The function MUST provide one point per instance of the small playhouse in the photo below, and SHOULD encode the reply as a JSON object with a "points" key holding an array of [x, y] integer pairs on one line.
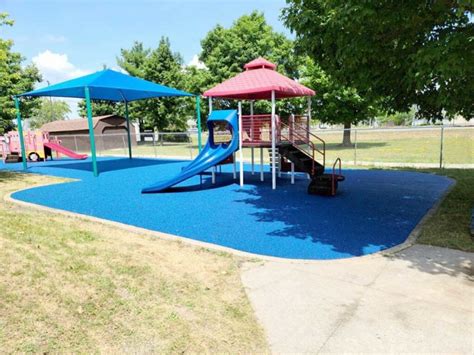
{"points": [[292, 146], [38, 145]]}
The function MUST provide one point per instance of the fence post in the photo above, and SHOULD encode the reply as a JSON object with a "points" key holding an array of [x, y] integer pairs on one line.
{"points": [[124, 146], [441, 148], [355, 146], [154, 144]]}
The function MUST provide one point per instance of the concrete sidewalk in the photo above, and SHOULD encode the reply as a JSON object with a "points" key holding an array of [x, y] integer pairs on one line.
{"points": [[419, 300]]}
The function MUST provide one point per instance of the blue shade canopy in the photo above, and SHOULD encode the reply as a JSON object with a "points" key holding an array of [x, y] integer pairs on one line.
{"points": [[108, 85]]}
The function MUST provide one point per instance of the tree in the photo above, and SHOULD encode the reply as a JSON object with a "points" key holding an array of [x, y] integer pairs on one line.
{"points": [[165, 67], [162, 66], [133, 60], [395, 53], [225, 51], [334, 102], [101, 108], [14, 80], [48, 111]]}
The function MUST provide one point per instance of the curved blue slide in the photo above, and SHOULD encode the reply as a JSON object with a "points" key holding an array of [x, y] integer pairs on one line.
{"points": [[212, 153]]}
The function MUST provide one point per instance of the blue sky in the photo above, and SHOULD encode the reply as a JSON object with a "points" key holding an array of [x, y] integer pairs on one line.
{"points": [[71, 37]]}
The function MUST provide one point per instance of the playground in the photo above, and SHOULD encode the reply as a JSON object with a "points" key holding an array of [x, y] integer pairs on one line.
{"points": [[254, 219], [300, 206]]}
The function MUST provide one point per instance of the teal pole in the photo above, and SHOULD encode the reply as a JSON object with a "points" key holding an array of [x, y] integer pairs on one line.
{"points": [[198, 116], [91, 131], [128, 130], [20, 132]]}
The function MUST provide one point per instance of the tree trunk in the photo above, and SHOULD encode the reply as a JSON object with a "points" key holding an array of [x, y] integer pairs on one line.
{"points": [[346, 140]]}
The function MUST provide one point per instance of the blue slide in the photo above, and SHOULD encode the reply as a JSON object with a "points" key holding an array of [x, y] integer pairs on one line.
{"points": [[212, 154]]}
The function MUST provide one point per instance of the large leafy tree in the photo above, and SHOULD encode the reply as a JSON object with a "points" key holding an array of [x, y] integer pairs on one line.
{"points": [[101, 108], [396, 53], [226, 50], [335, 103], [160, 65], [14, 79], [165, 67], [47, 111]]}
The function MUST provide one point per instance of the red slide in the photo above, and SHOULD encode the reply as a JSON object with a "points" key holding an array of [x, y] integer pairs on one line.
{"points": [[65, 151]]}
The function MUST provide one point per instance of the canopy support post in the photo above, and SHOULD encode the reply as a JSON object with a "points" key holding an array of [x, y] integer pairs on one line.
{"points": [[252, 136], [20, 133], [128, 131], [198, 119], [241, 157], [273, 142], [210, 104], [91, 131]]}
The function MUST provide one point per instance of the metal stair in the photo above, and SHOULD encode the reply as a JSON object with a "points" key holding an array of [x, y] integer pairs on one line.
{"points": [[297, 145]]}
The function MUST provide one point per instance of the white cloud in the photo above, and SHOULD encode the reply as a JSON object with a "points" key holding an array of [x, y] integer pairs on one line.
{"points": [[195, 62], [49, 38], [56, 67]]}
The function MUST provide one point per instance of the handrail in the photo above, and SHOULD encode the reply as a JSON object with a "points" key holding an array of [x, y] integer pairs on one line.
{"points": [[311, 144], [333, 178], [323, 153]]}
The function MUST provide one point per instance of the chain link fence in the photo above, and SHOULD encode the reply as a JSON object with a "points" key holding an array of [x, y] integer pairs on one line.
{"points": [[438, 146]]}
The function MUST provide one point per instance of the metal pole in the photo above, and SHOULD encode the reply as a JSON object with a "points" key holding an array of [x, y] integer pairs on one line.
{"points": [[273, 142], [198, 118], [20, 133], [252, 136], [210, 105], [241, 158], [261, 164], [234, 166], [128, 131], [441, 148], [309, 116], [292, 173], [292, 129], [91, 131]]}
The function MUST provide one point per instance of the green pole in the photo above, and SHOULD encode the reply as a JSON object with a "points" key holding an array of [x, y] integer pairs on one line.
{"points": [[198, 116], [20, 132], [128, 130], [91, 130]]}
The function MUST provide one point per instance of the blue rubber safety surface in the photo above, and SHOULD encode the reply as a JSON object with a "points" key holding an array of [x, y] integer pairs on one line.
{"points": [[372, 211]]}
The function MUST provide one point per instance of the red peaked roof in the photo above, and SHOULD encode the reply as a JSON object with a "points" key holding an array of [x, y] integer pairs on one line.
{"points": [[257, 83]]}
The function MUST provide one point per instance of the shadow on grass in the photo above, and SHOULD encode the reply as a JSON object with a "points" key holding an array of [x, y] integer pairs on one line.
{"points": [[8, 176]]}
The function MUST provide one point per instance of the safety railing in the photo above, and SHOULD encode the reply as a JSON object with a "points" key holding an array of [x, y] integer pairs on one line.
{"points": [[300, 142], [335, 177], [257, 130], [309, 135]]}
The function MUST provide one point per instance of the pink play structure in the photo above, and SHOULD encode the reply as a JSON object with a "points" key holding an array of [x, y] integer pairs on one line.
{"points": [[38, 146]]}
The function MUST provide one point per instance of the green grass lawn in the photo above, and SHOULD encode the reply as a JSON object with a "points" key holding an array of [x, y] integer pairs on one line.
{"points": [[449, 226], [68, 285], [389, 146]]}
